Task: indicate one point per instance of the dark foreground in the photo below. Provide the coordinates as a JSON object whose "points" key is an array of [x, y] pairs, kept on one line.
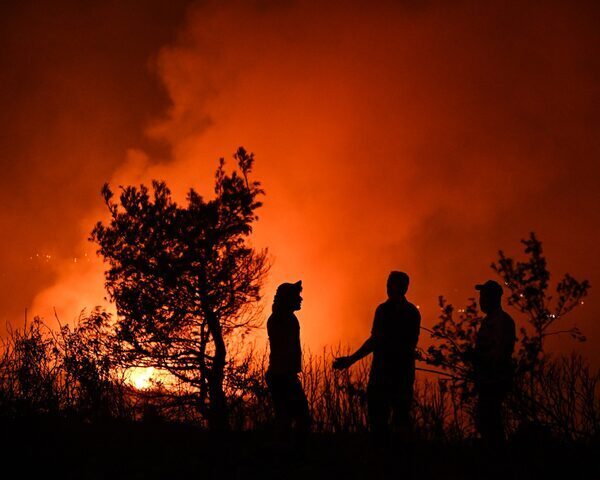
{"points": [[70, 450]]}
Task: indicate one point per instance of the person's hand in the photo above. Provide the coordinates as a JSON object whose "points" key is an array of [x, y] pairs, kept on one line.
{"points": [[341, 363]]}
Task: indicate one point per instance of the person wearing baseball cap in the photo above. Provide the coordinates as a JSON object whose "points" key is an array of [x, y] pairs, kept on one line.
{"points": [[493, 367], [285, 363]]}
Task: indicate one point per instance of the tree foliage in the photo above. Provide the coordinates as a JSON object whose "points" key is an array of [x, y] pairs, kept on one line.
{"points": [[454, 337], [529, 293], [528, 283], [184, 278]]}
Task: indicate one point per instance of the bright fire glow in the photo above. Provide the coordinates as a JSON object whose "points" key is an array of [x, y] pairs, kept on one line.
{"points": [[140, 378]]}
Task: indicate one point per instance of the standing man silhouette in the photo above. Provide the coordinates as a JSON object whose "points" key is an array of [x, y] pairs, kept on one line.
{"points": [[393, 342], [285, 361], [493, 369]]}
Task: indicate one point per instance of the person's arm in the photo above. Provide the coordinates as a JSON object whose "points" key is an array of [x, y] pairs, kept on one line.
{"points": [[366, 348], [341, 363]]}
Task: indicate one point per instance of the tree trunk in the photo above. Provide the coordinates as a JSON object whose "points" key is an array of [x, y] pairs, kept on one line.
{"points": [[218, 418]]}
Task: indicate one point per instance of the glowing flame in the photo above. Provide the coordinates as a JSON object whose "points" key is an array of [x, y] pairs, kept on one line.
{"points": [[140, 378]]}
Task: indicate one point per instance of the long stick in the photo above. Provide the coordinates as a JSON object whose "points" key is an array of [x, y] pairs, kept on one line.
{"points": [[437, 372]]}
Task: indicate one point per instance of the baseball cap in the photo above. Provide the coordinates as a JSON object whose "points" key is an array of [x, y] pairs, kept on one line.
{"points": [[287, 289], [491, 287]]}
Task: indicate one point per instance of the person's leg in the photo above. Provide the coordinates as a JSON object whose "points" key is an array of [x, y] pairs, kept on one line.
{"points": [[496, 420], [488, 417], [378, 406], [280, 397], [300, 413], [299, 406], [481, 409], [401, 415], [403, 448], [495, 459]]}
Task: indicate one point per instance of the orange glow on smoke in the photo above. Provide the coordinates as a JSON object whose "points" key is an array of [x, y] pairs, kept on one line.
{"points": [[393, 136]]}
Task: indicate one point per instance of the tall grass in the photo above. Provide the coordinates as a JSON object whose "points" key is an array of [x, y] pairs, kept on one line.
{"points": [[70, 373], [65, 372]]}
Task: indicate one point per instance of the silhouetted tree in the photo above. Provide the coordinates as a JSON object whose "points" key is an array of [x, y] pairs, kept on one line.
{"points": [[528, 283], [455, 339], [184, 278], [529, 292]]}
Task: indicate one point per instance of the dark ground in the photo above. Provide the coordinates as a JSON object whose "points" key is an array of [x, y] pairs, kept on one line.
{"points": [[71, 450]]}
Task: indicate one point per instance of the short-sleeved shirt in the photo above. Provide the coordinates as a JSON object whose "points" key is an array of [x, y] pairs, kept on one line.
{"points": [[494, 345], [395, 332], [284, 341]]}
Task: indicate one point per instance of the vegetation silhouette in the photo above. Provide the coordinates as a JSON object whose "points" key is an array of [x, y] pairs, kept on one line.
{"points": [[186, 283], [67, 373], [184, 279], [541, 381]]}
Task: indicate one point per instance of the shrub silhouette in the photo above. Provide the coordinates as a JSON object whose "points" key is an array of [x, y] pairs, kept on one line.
{"points": [[79, 371], [66, 373]]}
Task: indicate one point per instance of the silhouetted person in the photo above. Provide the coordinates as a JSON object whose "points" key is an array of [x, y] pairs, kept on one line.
{"points": [[285, 362], [393, 342], [492, 363]]}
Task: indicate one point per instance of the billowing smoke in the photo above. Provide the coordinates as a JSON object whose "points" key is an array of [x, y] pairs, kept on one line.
{"points": [[420, 136], [76, 91]]}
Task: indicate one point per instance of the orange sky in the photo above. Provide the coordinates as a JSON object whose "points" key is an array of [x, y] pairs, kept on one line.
{"points": [[420, 136]]}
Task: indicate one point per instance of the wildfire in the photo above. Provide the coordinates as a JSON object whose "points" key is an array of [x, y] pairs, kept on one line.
{"points": [[140, 378]]}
